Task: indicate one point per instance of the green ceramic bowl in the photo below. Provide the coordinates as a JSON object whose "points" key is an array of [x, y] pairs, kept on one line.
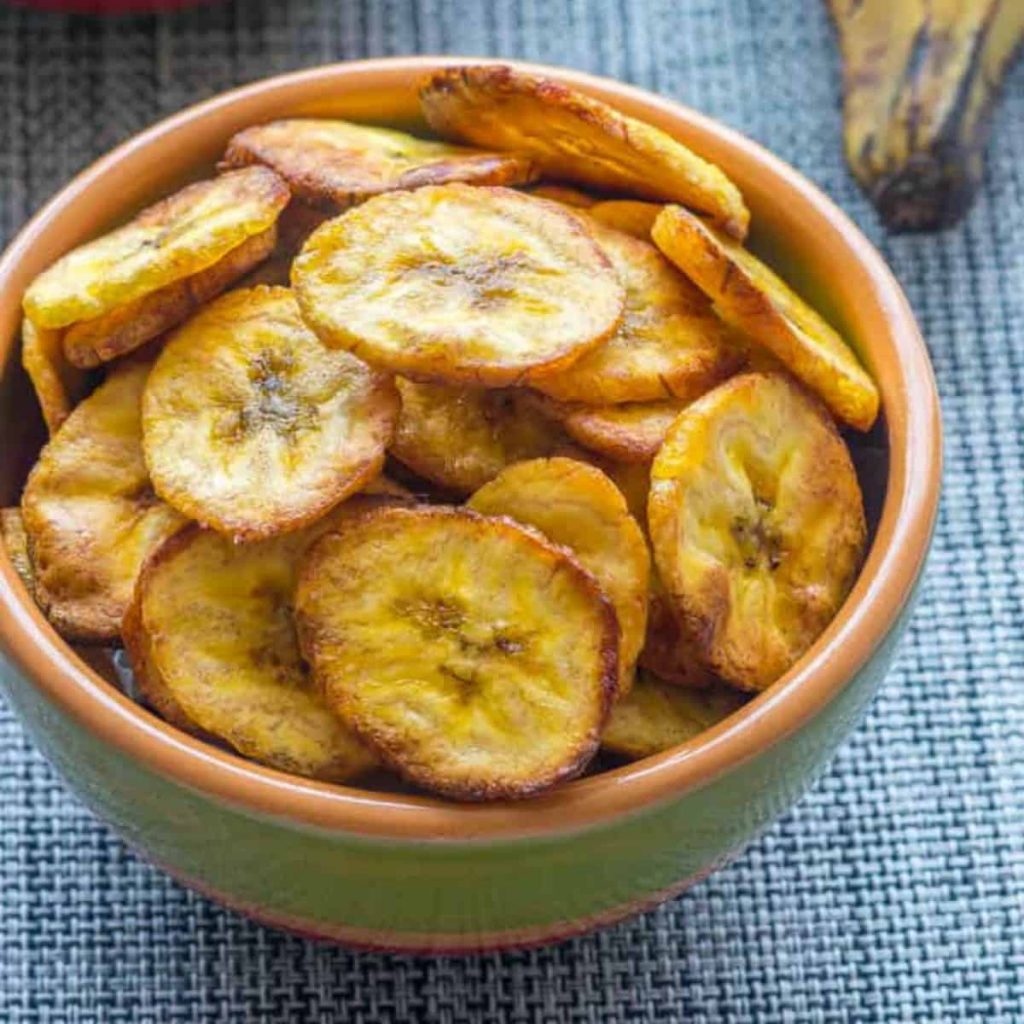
{"points": [[412, 873]]}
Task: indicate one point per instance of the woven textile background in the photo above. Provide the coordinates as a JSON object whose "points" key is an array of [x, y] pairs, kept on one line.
{"points": [[894, 891]]}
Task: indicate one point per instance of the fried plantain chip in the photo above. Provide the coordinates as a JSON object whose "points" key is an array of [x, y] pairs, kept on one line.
{"points": [[12, 530], [212, 643], [656, 716], [58, 385], [459, 284], [757, 523], [90, 513], [475, 657], [252, 427], [460, 438], [341, 163], [576, 138], [756, 300], [668, 652], [669, 343], [631, 216], [564, 194], [175, 238], [577, 506]]}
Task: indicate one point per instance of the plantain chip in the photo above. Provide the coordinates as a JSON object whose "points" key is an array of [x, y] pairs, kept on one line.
{"points": [[669, 342], [459, 284], [757, 523], [472, 655], [576, 138], [212, 643], [564, 194], [753, 298], [460, 438], [12, 531], [631, 216], [668, 651], [59, 386], [578, 507], [252, 427], [657, 716], [90, 512], [184, 235], [340, 163]]}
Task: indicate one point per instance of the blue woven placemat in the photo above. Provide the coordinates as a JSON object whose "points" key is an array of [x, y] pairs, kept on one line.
{"points": [[894, 891]]}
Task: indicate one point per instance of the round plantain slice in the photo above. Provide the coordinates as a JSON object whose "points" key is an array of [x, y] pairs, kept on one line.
{"points": [[58, 385], [463, 285], [12, 531], [753, 298], [173, 239], [631, 216], [460, 438], [656, 716], [669, 342], [757, 524], [90, 512], [340, 163], [577, 506], [576, 138], [212, 642], [475, 657], [668, 652], [252, 427]]}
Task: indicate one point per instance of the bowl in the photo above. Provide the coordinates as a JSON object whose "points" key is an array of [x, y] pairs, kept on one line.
{"points": [[406, 872]]}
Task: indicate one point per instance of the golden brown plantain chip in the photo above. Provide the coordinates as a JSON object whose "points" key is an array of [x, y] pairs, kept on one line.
{"points": [[175, 238], [757, 524], [59, 386], [252, 427], [459, 284], [657, 716], [460, 438], [90, 512], [576, 138], [631, 216], [668, 652], [753, 298], [212, 643], [577, 506], [564, 194], [474, 656], [12, 530], [669, 342], [337, 162]]}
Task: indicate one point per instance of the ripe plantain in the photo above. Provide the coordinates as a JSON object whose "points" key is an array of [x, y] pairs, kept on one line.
{"points": [[920, 82]]}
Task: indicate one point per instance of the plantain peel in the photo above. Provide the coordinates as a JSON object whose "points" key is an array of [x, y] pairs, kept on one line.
{"points": [[252, 427], [576, 138], [90, 512], [920, 83], [476, 658], [752, 298], [757, 524], [212, 642], [459, 284], [577, 506]]}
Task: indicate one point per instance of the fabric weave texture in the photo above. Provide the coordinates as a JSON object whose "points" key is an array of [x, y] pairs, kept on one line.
{"points": [[895, 889]]}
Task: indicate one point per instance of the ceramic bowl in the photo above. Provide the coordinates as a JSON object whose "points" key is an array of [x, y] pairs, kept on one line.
{"points": [[408, 872]]}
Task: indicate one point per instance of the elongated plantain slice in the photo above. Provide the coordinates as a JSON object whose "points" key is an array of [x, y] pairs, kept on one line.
{"points": [[577, 506], [176, 238], [58, 385], [212, 643], [656, 716], [90, 512], [252, 427], [475, 657], [632, 216], [757, 523], [12, 530], [576, 138], [340, 163], [669, 343], [462, 437], [753, 298], [459, 284]]}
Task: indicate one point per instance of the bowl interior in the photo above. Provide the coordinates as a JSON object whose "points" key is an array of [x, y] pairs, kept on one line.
{"points": [[804, 236]]}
